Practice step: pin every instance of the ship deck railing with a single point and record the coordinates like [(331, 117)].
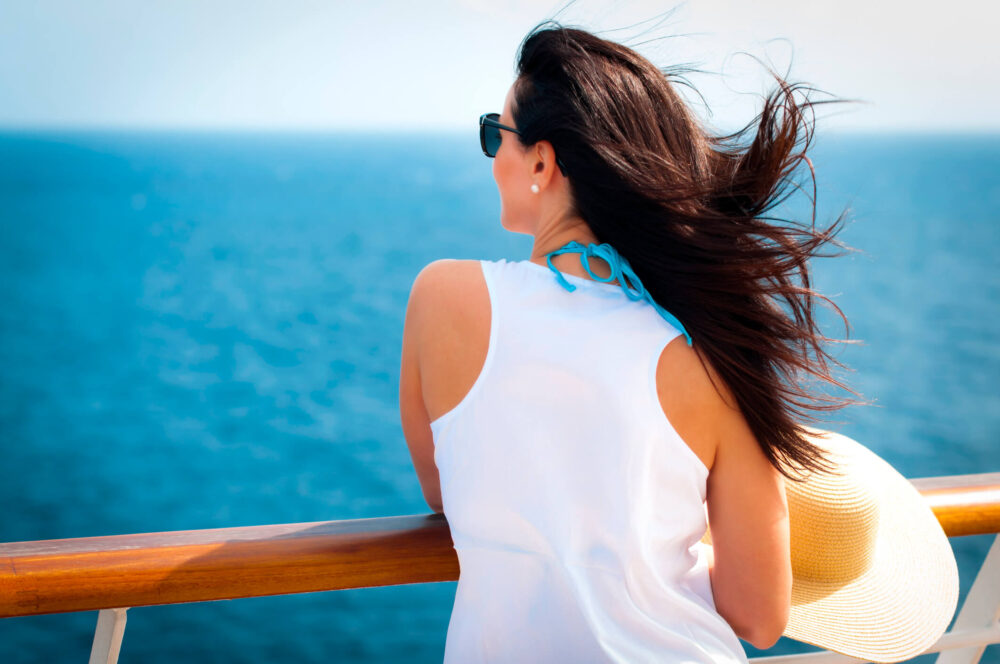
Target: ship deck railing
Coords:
[(111, 574)]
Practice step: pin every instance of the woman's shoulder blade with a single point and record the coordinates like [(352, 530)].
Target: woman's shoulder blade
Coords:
[(455, 330)]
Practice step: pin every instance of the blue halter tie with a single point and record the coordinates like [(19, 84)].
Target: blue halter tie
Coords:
[(620, 270)]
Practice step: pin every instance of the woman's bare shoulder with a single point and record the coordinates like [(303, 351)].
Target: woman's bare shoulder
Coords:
[(451, 309), (448, 277), (449, 288), (694, 398)]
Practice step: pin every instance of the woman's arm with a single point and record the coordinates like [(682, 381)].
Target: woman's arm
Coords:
[(749, 561), (751, 567), (412, 411)]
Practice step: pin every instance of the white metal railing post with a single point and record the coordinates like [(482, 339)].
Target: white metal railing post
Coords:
[(108, 636), (980, 610)]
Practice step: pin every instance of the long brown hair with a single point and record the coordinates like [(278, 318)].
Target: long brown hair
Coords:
[(688, 211)]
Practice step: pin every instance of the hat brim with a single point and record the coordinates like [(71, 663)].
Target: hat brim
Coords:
[(905, 600)]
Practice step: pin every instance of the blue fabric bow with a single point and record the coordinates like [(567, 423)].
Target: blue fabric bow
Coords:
[(620, 271)]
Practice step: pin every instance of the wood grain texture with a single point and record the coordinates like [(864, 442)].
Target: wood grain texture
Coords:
[(964, 504), (89, 573), (55, 576)]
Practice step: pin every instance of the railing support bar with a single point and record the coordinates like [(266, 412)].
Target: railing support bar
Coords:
[(981, 608), (108, 636), (956, 639)]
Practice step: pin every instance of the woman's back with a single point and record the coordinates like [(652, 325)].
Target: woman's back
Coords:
[(575, 507)]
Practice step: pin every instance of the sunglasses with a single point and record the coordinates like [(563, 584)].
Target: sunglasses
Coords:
[(489, 133), (489, 136)]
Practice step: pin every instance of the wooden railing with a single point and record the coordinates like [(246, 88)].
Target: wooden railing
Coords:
[(54, 576), (111, 572)]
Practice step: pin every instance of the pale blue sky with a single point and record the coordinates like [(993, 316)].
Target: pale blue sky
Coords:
[(364, 65)]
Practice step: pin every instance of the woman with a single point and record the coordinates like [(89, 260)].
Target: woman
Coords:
[(582, 415)]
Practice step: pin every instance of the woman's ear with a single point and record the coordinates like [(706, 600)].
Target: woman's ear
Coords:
[(544, 156)]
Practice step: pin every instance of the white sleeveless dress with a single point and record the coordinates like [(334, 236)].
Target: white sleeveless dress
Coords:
[(575, 508)]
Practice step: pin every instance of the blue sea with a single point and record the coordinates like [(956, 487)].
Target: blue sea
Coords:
[(202, 330)]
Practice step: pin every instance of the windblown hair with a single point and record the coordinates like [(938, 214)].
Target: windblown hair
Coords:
[(687, 210)]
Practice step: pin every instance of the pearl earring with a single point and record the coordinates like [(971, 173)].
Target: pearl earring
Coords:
[(534, 189)]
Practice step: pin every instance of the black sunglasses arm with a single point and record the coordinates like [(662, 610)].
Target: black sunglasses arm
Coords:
[(485, 119)]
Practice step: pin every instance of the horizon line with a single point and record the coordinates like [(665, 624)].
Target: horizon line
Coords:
[(440, 131)]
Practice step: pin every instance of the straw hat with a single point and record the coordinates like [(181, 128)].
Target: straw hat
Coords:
[(873, 574)]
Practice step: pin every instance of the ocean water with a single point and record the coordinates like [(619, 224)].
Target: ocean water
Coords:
[(203, 330)]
